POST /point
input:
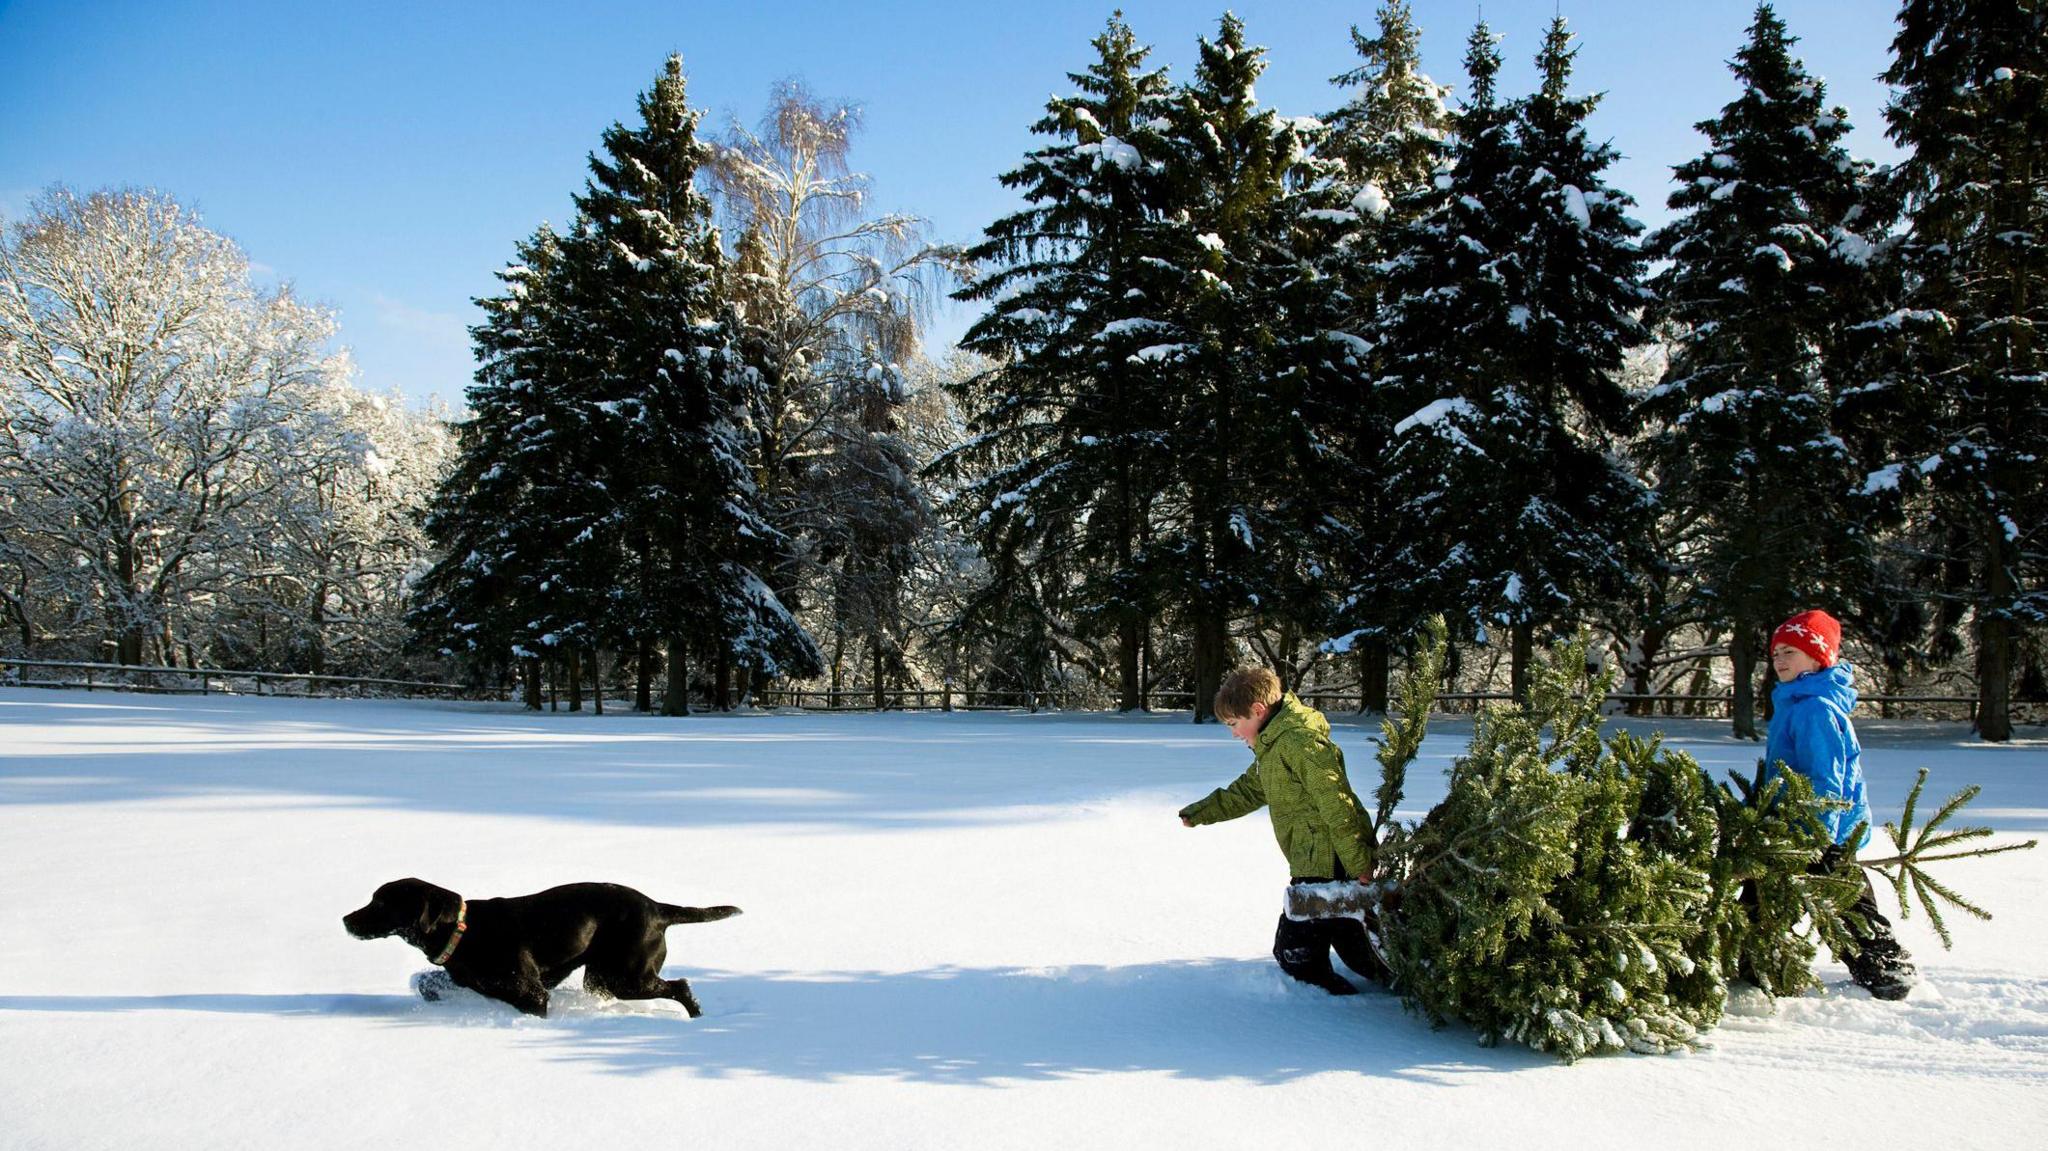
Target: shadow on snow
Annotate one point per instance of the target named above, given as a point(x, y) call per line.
point(1205, 1019)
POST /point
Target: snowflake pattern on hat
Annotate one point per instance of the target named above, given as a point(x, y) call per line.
point(1814, 632)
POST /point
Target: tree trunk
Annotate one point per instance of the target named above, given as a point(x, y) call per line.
point(643, 691)
point(723, 688)
point(316, 656)
point(597, 679)
point(1994, 645)
point(18, 609)
point(529, 677)
point(128, 649)
point(1130, 641)
point(675, 699)
point(1373, 677)
point(1521, 651)
point(575, 659)
point(1130, 627)
point(1642, 668)
point(1212, 642)
point(1742, 651)
point(1145, 672)
point(838, 666)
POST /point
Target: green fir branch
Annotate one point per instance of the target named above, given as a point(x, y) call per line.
point(1904, 870)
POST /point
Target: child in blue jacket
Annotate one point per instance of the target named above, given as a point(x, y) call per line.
point(1810, 733)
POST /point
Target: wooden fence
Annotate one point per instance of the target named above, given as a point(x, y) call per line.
point(205, 681)
point(208, 680)
point(946, 698)
point(950, 698)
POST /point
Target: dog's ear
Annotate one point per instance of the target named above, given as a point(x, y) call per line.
point(438, 907)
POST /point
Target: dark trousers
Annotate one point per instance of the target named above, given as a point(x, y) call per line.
point(1303, 946)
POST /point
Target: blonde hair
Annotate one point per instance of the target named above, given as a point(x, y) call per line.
point(1245, 687)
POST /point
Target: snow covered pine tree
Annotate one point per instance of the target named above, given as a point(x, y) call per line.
point(1069, 444)
point(1763, 252)
point(1965, 400)
point(1389, 138)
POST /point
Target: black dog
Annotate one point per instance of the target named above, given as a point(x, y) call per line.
point(515, 949)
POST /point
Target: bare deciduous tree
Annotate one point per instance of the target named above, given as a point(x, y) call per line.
point(832, 297)
point(342, 533)
point(142, 377)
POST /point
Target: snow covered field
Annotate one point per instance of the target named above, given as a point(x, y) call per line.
point(961, 931)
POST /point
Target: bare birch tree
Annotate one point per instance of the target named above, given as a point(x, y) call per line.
point(832, 298)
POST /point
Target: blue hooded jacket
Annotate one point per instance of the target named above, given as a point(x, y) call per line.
point(1810, 732)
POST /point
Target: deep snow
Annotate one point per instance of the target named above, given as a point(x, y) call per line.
point(960, 931)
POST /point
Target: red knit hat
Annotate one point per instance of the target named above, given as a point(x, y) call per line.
point(1816, 633)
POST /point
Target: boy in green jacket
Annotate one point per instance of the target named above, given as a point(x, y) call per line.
point(1297, 774)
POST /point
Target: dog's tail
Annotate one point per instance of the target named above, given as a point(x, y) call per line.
point(674, 915)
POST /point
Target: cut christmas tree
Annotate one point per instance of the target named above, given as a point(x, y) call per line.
point(1583, 891)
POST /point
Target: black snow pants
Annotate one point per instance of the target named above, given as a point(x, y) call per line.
point(1303, 946)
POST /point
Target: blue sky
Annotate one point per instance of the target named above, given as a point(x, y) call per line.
point(384, 158)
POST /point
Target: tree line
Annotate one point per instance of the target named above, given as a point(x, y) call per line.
point(1243, 383)
point(1308, 381)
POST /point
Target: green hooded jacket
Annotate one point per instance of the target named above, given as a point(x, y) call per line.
point(1297, 774)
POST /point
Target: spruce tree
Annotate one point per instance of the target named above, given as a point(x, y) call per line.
point(1068, 440)
point(871, 550)
point(519, 528)
point(696, 538)
point(1567, 509)
point(1240, 348)
point(1444, 329)
point(1511, 302)
point(1390, 138)
point(1390, 135)
point(1764, 253)
point(1965, 399)
point(782, 416)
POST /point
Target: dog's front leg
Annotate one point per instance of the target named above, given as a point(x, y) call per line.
point(530, 991)
point(530, 998)
point(522, 989)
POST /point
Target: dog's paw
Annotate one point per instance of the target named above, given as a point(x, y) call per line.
point(433, 986)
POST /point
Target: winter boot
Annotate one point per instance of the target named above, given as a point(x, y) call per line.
point(1880, 966)
point(1884, 969)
